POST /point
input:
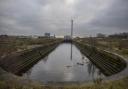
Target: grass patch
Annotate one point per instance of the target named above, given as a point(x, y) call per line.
point(118, 84)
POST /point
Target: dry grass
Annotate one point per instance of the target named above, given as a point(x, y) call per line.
point(119, 84)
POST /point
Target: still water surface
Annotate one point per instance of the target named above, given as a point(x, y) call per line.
point(64, 64)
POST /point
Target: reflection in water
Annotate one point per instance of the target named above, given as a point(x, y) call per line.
point(45, 59)
point(91, 69)
point(71, 51)
point(28, 73)
point(63, 65)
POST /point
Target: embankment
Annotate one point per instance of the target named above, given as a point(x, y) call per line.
point(107, 62)
point(21, 62)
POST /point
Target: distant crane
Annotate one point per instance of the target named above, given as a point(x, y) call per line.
point(71, 36)
point(71, 28)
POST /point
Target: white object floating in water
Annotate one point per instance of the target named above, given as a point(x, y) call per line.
point(80, 63)
point(68, 66)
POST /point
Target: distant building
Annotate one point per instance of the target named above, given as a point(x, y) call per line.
point(23, 37)
point(34, 36)
point(40, 37)
point(47, 35)
point(100, 35)
point(54, 36)
point(3, 36)
point(67, 38)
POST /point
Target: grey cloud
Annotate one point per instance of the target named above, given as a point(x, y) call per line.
point(113, 18)
point(35, 17)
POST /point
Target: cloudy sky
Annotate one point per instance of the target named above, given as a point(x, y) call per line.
point(35, 17)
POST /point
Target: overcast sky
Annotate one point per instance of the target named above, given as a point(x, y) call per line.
point(35, 17)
